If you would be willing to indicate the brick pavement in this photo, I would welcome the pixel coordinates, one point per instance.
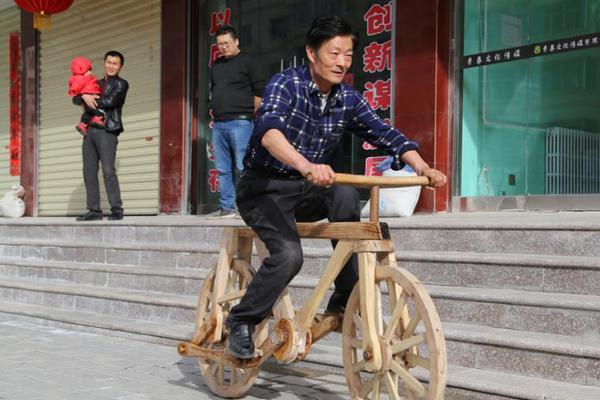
(44, 362)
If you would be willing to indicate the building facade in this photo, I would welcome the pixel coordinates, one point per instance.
(481, 85)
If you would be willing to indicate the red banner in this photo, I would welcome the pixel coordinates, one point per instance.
(15, 103)
(375, 78)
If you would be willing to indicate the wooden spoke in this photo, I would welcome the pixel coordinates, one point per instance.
(407, 344)
(356, 343)
(231, 281)
(391, 386)
(357, 322)
(410, 395)
(378, 311)
(231, 296)
(411, 382)
(410, 328)
(221, 374)
(396, 315)
(234, 373)
(366, 389)
(414, 359)
(376, 387)
(214, 368)
(360, 365)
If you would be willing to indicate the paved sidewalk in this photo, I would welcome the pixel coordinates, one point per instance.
(44, 362)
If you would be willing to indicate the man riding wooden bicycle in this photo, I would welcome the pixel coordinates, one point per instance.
(304, 113)
(390, 325)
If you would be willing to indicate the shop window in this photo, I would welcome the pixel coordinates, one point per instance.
(530, 124)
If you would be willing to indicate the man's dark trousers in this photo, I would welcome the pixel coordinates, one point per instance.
(271, 207)
(100, 146)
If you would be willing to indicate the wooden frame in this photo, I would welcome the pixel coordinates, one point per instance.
(388, 350)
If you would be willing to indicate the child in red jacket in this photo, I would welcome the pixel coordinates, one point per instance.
(84, 82)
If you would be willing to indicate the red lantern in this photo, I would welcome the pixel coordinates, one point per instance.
(42, 10)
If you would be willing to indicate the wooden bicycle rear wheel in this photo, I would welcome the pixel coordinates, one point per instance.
(223, 380)
(410, 336)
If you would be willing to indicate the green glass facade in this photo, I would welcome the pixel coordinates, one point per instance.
(529, 126)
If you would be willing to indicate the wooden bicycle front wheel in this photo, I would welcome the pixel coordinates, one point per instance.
(410, 336)
(223, 380)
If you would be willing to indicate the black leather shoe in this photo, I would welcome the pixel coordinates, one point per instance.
(115, 216)
(241, 344)
(90, 216)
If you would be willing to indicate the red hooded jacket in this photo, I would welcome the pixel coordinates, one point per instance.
(79, 83)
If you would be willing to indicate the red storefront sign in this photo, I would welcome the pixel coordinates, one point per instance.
(376, 66)
(371, 164)
(379, 19)
(378, 94)
(378, 57)
(213, 180)
(15, 104)
(218, 19)
(214, 54)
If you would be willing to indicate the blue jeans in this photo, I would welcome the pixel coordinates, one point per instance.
(230, 140)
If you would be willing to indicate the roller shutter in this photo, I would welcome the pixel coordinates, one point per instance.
(90, 28)
(10, 20)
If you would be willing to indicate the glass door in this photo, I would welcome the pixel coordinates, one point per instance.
(274, 32)
(529, 97)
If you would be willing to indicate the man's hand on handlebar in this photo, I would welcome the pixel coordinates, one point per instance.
(319, 174)
(436, 178)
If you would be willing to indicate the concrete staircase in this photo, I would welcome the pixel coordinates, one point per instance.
(519, 293)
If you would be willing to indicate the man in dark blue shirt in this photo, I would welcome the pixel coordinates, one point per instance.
(304, 113)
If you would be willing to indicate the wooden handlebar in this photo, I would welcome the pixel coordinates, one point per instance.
(363, 181)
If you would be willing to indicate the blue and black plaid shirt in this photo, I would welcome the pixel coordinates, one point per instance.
(291, 104)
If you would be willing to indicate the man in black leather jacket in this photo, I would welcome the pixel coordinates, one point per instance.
(100, 144)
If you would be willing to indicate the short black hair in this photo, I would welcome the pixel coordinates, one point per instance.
(225, 29)
(327, 27)
(114, 53)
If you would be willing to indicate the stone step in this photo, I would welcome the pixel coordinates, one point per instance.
(532, 272)
(565, 314)
(577, 241)
(187, 230)
(126, 303)
(173, 255)
(483, 385)
(158, 332)
(560, 234)
(562, 314)
(547, 273)
(479, 384)
(182, 230)
(574, 360)
(183, 281)
(553, 357)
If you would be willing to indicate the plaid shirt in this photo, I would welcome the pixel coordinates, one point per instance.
(291, 104)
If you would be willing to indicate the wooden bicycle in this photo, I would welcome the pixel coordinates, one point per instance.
(392, 339)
